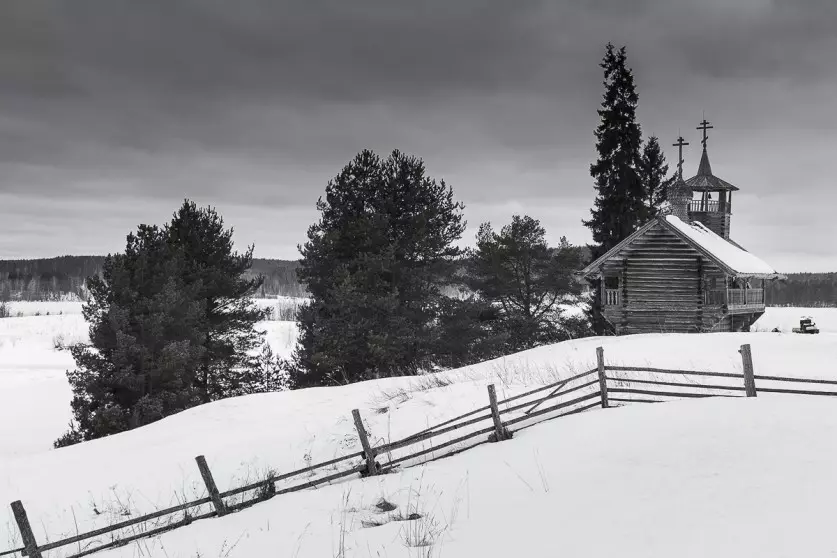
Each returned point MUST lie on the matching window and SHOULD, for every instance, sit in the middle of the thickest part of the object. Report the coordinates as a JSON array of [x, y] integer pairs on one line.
[[611, 282]]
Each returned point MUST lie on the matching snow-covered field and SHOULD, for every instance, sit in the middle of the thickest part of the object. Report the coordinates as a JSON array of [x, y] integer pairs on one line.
[[281, 307], [698, 478]]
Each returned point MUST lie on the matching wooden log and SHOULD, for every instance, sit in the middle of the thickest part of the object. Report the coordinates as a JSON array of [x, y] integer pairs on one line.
[[800, 380], [500, 432], [602, 376], [747, 361], [676, 384], [29, 543], [669, 371], [552, 396], [554, 408], [368, 452], [124, 524], [437, 447], [211, 487], [122, 541], [665, 393], [284, 476], [798, 391]]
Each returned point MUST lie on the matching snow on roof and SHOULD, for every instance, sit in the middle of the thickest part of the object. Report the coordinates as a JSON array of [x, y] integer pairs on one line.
[[737, 259]]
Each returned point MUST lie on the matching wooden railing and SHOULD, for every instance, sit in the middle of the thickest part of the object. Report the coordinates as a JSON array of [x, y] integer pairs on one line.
[[734, 297], [611, 297], [605, 386], [495, 422], [745, 297], [708, 206]]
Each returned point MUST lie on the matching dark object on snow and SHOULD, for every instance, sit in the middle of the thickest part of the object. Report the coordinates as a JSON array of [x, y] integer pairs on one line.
[[775, 330], [806, 325]]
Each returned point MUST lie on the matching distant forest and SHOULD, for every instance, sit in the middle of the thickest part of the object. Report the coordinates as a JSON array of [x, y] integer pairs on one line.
[[63, 277], [56, 278]]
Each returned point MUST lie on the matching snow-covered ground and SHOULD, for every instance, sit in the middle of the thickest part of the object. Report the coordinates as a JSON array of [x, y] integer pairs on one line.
[[788, 318], [712, 477]]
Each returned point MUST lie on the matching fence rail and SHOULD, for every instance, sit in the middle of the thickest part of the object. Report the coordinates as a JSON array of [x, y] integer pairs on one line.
[[485, 424]]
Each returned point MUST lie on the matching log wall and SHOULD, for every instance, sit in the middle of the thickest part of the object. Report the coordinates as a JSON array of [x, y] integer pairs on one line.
[[662, 285]]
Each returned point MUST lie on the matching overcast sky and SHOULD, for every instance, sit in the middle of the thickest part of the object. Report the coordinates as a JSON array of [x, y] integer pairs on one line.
[[113, 111]]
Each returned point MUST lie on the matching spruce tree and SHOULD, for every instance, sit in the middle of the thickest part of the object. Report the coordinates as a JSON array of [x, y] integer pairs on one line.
[[620, 204], [374, 265], [517, 271], [171, 326], [653, 172]]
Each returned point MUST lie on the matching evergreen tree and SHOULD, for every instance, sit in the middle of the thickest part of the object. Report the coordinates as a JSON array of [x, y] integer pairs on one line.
[[620, 199], [653, 172], [170, 327], [517, 271], [218, 273], [619, 207], [374, 265]]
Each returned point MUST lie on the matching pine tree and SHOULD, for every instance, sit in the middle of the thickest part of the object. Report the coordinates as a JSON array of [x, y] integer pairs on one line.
[[374, 265], [653, 172], [619, 207], [219, 274], [517, 271], [171, 326]]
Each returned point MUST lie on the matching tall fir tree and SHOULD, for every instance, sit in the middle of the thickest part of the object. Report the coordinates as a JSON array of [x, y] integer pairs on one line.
[[620, 204], [653, 172], [375, 264], [171, 326]]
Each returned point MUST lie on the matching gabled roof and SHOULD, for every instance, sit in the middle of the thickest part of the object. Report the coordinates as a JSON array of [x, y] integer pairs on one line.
[[727, 255], [704, 180]]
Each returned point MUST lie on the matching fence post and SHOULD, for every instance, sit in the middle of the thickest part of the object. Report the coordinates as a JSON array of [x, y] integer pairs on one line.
[[29, 544], [500, 432], [368, 452], [602, 376], [211, 487], [749, 375]]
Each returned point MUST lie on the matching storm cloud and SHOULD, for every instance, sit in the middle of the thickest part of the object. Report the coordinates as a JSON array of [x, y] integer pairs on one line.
[[112, 111]]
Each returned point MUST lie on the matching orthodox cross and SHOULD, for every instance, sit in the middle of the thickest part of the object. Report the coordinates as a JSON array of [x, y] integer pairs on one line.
[[680, 143], [704, 126]]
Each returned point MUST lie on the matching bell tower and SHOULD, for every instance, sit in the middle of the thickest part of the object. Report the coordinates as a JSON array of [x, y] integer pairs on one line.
[[712, 199]]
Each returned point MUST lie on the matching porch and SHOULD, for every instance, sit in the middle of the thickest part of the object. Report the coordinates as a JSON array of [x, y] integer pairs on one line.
[[736, 300]]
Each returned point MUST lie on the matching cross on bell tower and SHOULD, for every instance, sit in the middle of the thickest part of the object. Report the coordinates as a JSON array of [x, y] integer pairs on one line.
[[679, 145], [704, 126]]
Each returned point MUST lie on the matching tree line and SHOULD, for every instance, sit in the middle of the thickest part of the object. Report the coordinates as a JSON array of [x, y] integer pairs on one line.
[[66, 276]]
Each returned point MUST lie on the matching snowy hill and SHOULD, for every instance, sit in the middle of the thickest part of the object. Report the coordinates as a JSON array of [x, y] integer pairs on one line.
[[683, 478]]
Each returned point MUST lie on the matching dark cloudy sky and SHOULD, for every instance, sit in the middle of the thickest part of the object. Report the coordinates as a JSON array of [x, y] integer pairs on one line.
[[113, 111]]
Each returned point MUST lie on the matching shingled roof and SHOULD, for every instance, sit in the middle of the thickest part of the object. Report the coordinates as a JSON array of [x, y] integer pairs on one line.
[[705, 181]]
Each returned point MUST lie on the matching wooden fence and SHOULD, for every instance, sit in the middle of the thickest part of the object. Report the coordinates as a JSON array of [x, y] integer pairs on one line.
[[605, 386]]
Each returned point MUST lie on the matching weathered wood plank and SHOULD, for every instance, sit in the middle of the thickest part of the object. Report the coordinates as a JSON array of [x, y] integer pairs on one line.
[[25, 529], [747, 362], [211, 487], [602, 375]]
